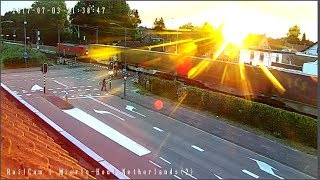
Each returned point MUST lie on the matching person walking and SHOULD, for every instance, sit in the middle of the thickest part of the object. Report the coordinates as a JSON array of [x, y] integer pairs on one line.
[[104, 85]]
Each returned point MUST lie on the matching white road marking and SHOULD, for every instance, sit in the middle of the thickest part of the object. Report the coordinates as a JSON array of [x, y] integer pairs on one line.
[[20, 95], [41, 90], [89, 86], [107, 112], [189, 174], [50, 89], [54, 92], [63, 91], [93, 80], [52, 78], [79, 90], [158, 129], [250, 173], [38, 79], [74, 87], [36, 87], [98, 94], [16, 92], [28, 94], [87, 89], [197, 148], [66, 77], [165, 160], [33, 91], [60, 83], [96, 89], [80, 95], [58, 88], [266, 168], [32, 79], [71, 90], [217, 176], [72, 96], [132, 109], [111, 107], [155, 164], [177, 177], [107, 131], [81, 86], [25, 80]]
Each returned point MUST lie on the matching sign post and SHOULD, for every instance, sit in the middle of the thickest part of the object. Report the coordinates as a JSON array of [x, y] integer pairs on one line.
[[25, 55]]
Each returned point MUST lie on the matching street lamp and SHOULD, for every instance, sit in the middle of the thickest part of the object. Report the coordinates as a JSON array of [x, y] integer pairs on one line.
[[25, 41], [125, 58]]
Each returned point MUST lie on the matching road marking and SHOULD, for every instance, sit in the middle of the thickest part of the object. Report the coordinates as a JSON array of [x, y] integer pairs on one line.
[[54, 92], [189, 174], [52, 78], [217, 176], [87, 89], [79, 90], [60, 83], [107, 131], [80, 95], [63, 91], [165, 160], [197, 148], [16, 92], [36, 87], [72, 77], [155, 164], [250, 173], [111, 107], [89, 86], [74, 87], [81, 86], [32, 79], [93, 80], [107, 112], [72, 96], [28, 94], [50, 89], [266, 168], [58, 88], [158, 129], [25, 80], [66, 77], [132, 109], [96, 89], [20, 95], [38, 79], [177, 177], [41, 90], [98, 94], [71, 90]]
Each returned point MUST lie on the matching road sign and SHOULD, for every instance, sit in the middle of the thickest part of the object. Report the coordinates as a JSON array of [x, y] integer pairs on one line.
[[25, 54]]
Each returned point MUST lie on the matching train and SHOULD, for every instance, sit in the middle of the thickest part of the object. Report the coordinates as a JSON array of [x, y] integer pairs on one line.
[[285, 88]]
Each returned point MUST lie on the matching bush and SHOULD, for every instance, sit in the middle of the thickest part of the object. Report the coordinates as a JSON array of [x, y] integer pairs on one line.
[[13, 55], [282, 123]]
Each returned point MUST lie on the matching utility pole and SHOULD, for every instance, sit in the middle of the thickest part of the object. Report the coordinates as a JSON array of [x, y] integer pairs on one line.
[[25, 42]]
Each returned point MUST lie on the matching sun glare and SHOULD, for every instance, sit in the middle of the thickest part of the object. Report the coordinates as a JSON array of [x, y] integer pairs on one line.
[[236, 23]]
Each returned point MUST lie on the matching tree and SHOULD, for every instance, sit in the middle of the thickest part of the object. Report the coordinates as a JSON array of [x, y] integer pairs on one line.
[[159, 24], [105, 12], [293, 34], [187, 26]]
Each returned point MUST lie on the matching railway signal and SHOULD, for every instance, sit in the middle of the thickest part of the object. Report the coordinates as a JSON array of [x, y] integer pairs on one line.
[[44, 70]]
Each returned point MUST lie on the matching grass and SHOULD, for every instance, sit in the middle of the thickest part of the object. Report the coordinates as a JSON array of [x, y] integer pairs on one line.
[[274, 137]]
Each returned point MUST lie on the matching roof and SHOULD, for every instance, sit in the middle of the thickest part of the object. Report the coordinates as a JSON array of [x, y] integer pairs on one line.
[[25, 145], [254, 40], [308, 47]]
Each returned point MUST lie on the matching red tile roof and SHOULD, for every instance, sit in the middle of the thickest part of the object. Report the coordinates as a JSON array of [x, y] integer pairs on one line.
[[26, 146]]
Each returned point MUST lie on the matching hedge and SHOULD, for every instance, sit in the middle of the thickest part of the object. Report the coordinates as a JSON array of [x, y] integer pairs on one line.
[[290, 125]]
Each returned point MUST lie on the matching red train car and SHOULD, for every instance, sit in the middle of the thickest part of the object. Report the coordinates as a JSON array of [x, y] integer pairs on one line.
[[72, 49]]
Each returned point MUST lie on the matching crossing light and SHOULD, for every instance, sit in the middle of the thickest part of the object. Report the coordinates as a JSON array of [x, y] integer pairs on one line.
[[44, 68]]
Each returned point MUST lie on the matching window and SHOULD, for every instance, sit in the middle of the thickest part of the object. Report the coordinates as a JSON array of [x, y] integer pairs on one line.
[[252, 55], [277, 58], [261, 56]]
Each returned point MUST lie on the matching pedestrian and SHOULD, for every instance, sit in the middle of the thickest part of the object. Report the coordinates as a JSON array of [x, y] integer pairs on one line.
[[104, 85]]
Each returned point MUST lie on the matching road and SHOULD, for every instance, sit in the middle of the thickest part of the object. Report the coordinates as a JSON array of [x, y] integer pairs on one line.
[[142, 142]]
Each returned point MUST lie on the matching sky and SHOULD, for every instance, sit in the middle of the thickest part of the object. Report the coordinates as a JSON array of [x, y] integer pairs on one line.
[[272, 18]]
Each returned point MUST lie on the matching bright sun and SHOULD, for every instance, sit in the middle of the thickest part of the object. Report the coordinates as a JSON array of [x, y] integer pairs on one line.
[[236, 24]]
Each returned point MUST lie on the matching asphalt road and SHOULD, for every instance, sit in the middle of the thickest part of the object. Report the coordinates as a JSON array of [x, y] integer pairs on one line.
[[134, 138]]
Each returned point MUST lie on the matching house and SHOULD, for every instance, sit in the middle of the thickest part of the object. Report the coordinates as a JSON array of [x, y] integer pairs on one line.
[[311, 50], [310, 68], [258, 41]]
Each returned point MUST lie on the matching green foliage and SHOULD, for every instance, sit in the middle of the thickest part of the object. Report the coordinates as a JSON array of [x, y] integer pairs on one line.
[[159, 24], [293, 34], [12, 55], [285, 124]]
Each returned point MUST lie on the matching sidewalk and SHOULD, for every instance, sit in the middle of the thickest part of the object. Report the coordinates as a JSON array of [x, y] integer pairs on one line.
[[261, 145]]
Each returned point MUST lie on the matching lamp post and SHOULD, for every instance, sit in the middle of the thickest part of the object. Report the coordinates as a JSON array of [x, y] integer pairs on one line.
[[25, 41], [125, 58]]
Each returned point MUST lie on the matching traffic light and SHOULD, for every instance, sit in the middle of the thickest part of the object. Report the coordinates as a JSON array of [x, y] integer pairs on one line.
[[44, 68]]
